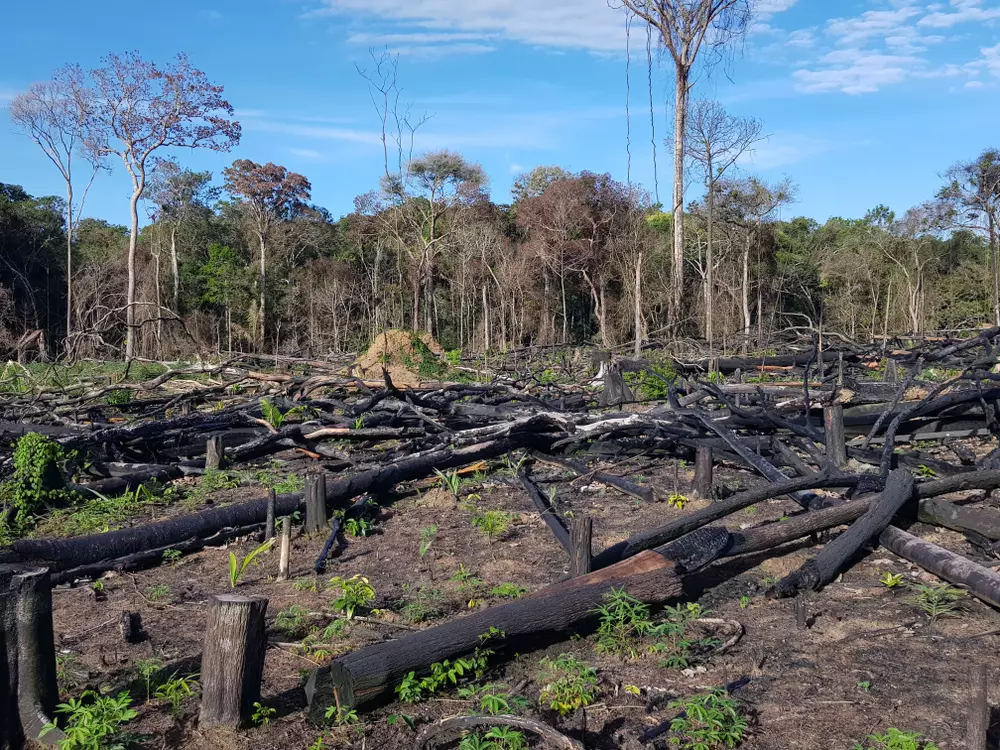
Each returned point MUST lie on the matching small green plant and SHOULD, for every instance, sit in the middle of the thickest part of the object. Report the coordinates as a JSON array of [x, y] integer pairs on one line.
[[160, 592], [939, 601], [292, 620], [358, 526], [356, 593], [492, 523], [306, 584], [894, 739], [744, 602], [421, 605], [262, 715], [677, 500], [675, 643], [709, 721], [412, 689], [94, 722], [176, 690], [450, 481], [624, 622], [891, 580], [427, 535], [118, 397], [925, 472], [508, 591], [466, 579], [569, 684], [146, 669], [392, 719], [65, 674], [172, 556], [274, 416], [98, 586], [495, 738], [865, 686], [340, 716], [494, 699], [237, 569]]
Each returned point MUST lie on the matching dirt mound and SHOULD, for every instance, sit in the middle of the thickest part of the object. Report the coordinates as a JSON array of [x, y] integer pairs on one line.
[[409, 356]]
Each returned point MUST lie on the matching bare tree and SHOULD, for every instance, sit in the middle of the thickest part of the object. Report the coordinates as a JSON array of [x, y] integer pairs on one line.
[[54, 115], [270, 194], [685, 27], [137, 108], [715, 140]]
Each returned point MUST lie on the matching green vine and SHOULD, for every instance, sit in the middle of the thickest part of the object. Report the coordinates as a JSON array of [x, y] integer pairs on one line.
[[36, 483]]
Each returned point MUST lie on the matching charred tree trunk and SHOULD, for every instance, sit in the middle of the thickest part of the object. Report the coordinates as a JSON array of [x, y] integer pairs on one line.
[[833, 422], [214, 454], [703, 472], [232, 663], [28, 690], [581, 533], [823, 568], [315, 504], [373, 671]]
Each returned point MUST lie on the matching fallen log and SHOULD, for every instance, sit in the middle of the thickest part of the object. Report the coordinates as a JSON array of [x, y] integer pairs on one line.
[[59, 554], [985, 521], [372, 672], [715, 511], [825, 566], [647, 494], [546, 512], [981, 582]]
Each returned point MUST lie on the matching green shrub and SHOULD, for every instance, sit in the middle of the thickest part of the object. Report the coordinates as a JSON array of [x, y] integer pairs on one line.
[[94, 721], [37, 481], [355, 593], [894, 739], [624, 622], [569, 684], [710, 721]]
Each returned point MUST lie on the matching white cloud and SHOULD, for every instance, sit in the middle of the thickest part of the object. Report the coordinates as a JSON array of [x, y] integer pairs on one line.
[[562, 24], [308, 153], [312, 131], [783, 150], [439, 50], [855, 71], [963, 11]]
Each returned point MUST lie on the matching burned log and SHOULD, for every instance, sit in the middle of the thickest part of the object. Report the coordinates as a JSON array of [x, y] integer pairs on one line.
[[980, 581], [823, 568], [647, 494], [715, 511], [95, 548], [546, 512], [371, 672]]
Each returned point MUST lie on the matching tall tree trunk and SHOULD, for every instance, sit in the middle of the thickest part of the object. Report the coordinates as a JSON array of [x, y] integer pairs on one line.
[[709, 275], [486, 322], [417, 289], [173, 268], [262, 300], [995, 266], [746, 289], [133, 241], [638, 304], [680, 118], [69, 258], [565, 308], [159, 304]]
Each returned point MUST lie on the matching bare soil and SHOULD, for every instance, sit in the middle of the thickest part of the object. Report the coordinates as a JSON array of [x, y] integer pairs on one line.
[[870, 658]]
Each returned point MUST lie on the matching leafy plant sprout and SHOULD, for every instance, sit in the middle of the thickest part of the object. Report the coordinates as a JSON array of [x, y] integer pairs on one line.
[[237, 569]]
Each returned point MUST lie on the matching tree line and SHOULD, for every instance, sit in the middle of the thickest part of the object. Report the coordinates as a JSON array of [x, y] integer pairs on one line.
[[249, 263]]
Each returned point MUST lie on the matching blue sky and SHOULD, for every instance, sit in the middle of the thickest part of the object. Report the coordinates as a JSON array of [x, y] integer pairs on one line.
[[865, 102]]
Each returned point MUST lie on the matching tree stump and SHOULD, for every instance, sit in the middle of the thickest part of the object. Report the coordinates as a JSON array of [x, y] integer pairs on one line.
[[286, 543], [315, 503], [232, 663], [979, 710], [581, 533], [703, 472], [215, 454], [28, 689], [269, 520], [833, 423]]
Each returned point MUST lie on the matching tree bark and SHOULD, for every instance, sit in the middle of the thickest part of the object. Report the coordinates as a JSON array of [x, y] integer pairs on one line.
[[581, 534], [638, 305], [214, 453], [69, 257], [315, 503], [133, 241], [680, 121], [979, 710], [833, 423], [262, 298], [703, 472], [232, 663], [174, 269]]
